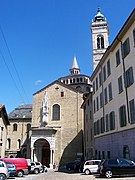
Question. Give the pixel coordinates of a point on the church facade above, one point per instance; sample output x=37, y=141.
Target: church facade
x=57, y=119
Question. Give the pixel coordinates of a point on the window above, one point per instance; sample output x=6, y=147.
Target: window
x=96, y=83
x=117, y=57
x=108, y=68
x=103, y=155
x=126, y=48
x=107, y=123
x=14, y=127
x=132, y=111
x=97, y=103
x=95, y=128
x=134, y=36
x=94, y=104
x=98, y=127
x=18, y=144
x=128, y=77
x=110, y=91
x=56, y=112
x=122, y=116
x=105, y=95
x=104, y=73
x=112, y=120
x=62, y=94
x=102, y=125
x=100, y=79
x=108, y=154
x=100, y=42
x=94, y=87
x=101, y=100
x=120, y=85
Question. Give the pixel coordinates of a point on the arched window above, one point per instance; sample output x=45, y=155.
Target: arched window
x=8, y=143
x=100, y=42
x=18, y=144
x=56, y=112
x=14, y=127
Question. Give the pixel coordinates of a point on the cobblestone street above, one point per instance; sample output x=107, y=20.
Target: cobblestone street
x=54, y=175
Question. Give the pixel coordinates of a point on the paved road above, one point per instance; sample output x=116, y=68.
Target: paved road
x=53, y=175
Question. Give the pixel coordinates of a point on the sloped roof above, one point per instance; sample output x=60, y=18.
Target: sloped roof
x=22, y=112
x=61, y=84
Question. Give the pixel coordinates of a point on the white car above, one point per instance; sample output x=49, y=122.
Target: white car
x=36, y=167
x=91, y=166
x=4, y=174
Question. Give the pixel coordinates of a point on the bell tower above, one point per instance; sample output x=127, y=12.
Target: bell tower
x=100, y=37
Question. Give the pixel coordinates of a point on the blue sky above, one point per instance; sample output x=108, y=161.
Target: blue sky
x=42, y=38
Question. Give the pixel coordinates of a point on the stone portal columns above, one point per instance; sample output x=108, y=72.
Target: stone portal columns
x=51, y=158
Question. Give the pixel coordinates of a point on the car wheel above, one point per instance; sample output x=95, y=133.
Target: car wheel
x=20, y=173
x=2, y=176
x=87, y=171
x=108, y=174
x=36, y=171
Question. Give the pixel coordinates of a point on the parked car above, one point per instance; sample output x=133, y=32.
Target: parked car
x=73, y=166
x=114, y=167
x=91, y=166
x=4, y=174
x=20, y=163
x=36, y=167
x=11, y=168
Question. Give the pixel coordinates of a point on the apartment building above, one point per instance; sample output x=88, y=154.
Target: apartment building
x=114, y=96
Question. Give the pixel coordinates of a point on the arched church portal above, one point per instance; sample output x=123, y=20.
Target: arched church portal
x=42, y=152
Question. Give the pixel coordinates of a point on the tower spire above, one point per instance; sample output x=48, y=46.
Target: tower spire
x=75, y=68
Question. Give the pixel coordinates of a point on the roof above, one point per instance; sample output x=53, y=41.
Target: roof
x=75, y=64
x=22, y=112
x=61, y=84
x=99, y=16
x=4, y=112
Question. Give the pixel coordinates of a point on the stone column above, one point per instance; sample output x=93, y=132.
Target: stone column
x=51, y=159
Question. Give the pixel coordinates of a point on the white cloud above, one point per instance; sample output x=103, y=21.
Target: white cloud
x=38, y=82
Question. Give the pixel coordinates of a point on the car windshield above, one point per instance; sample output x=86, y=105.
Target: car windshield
x=9, y=165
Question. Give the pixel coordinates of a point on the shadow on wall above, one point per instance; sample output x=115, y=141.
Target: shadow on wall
x=74, y=150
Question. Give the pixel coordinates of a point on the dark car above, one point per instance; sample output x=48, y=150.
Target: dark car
x=74, y=166
x=114, y=167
